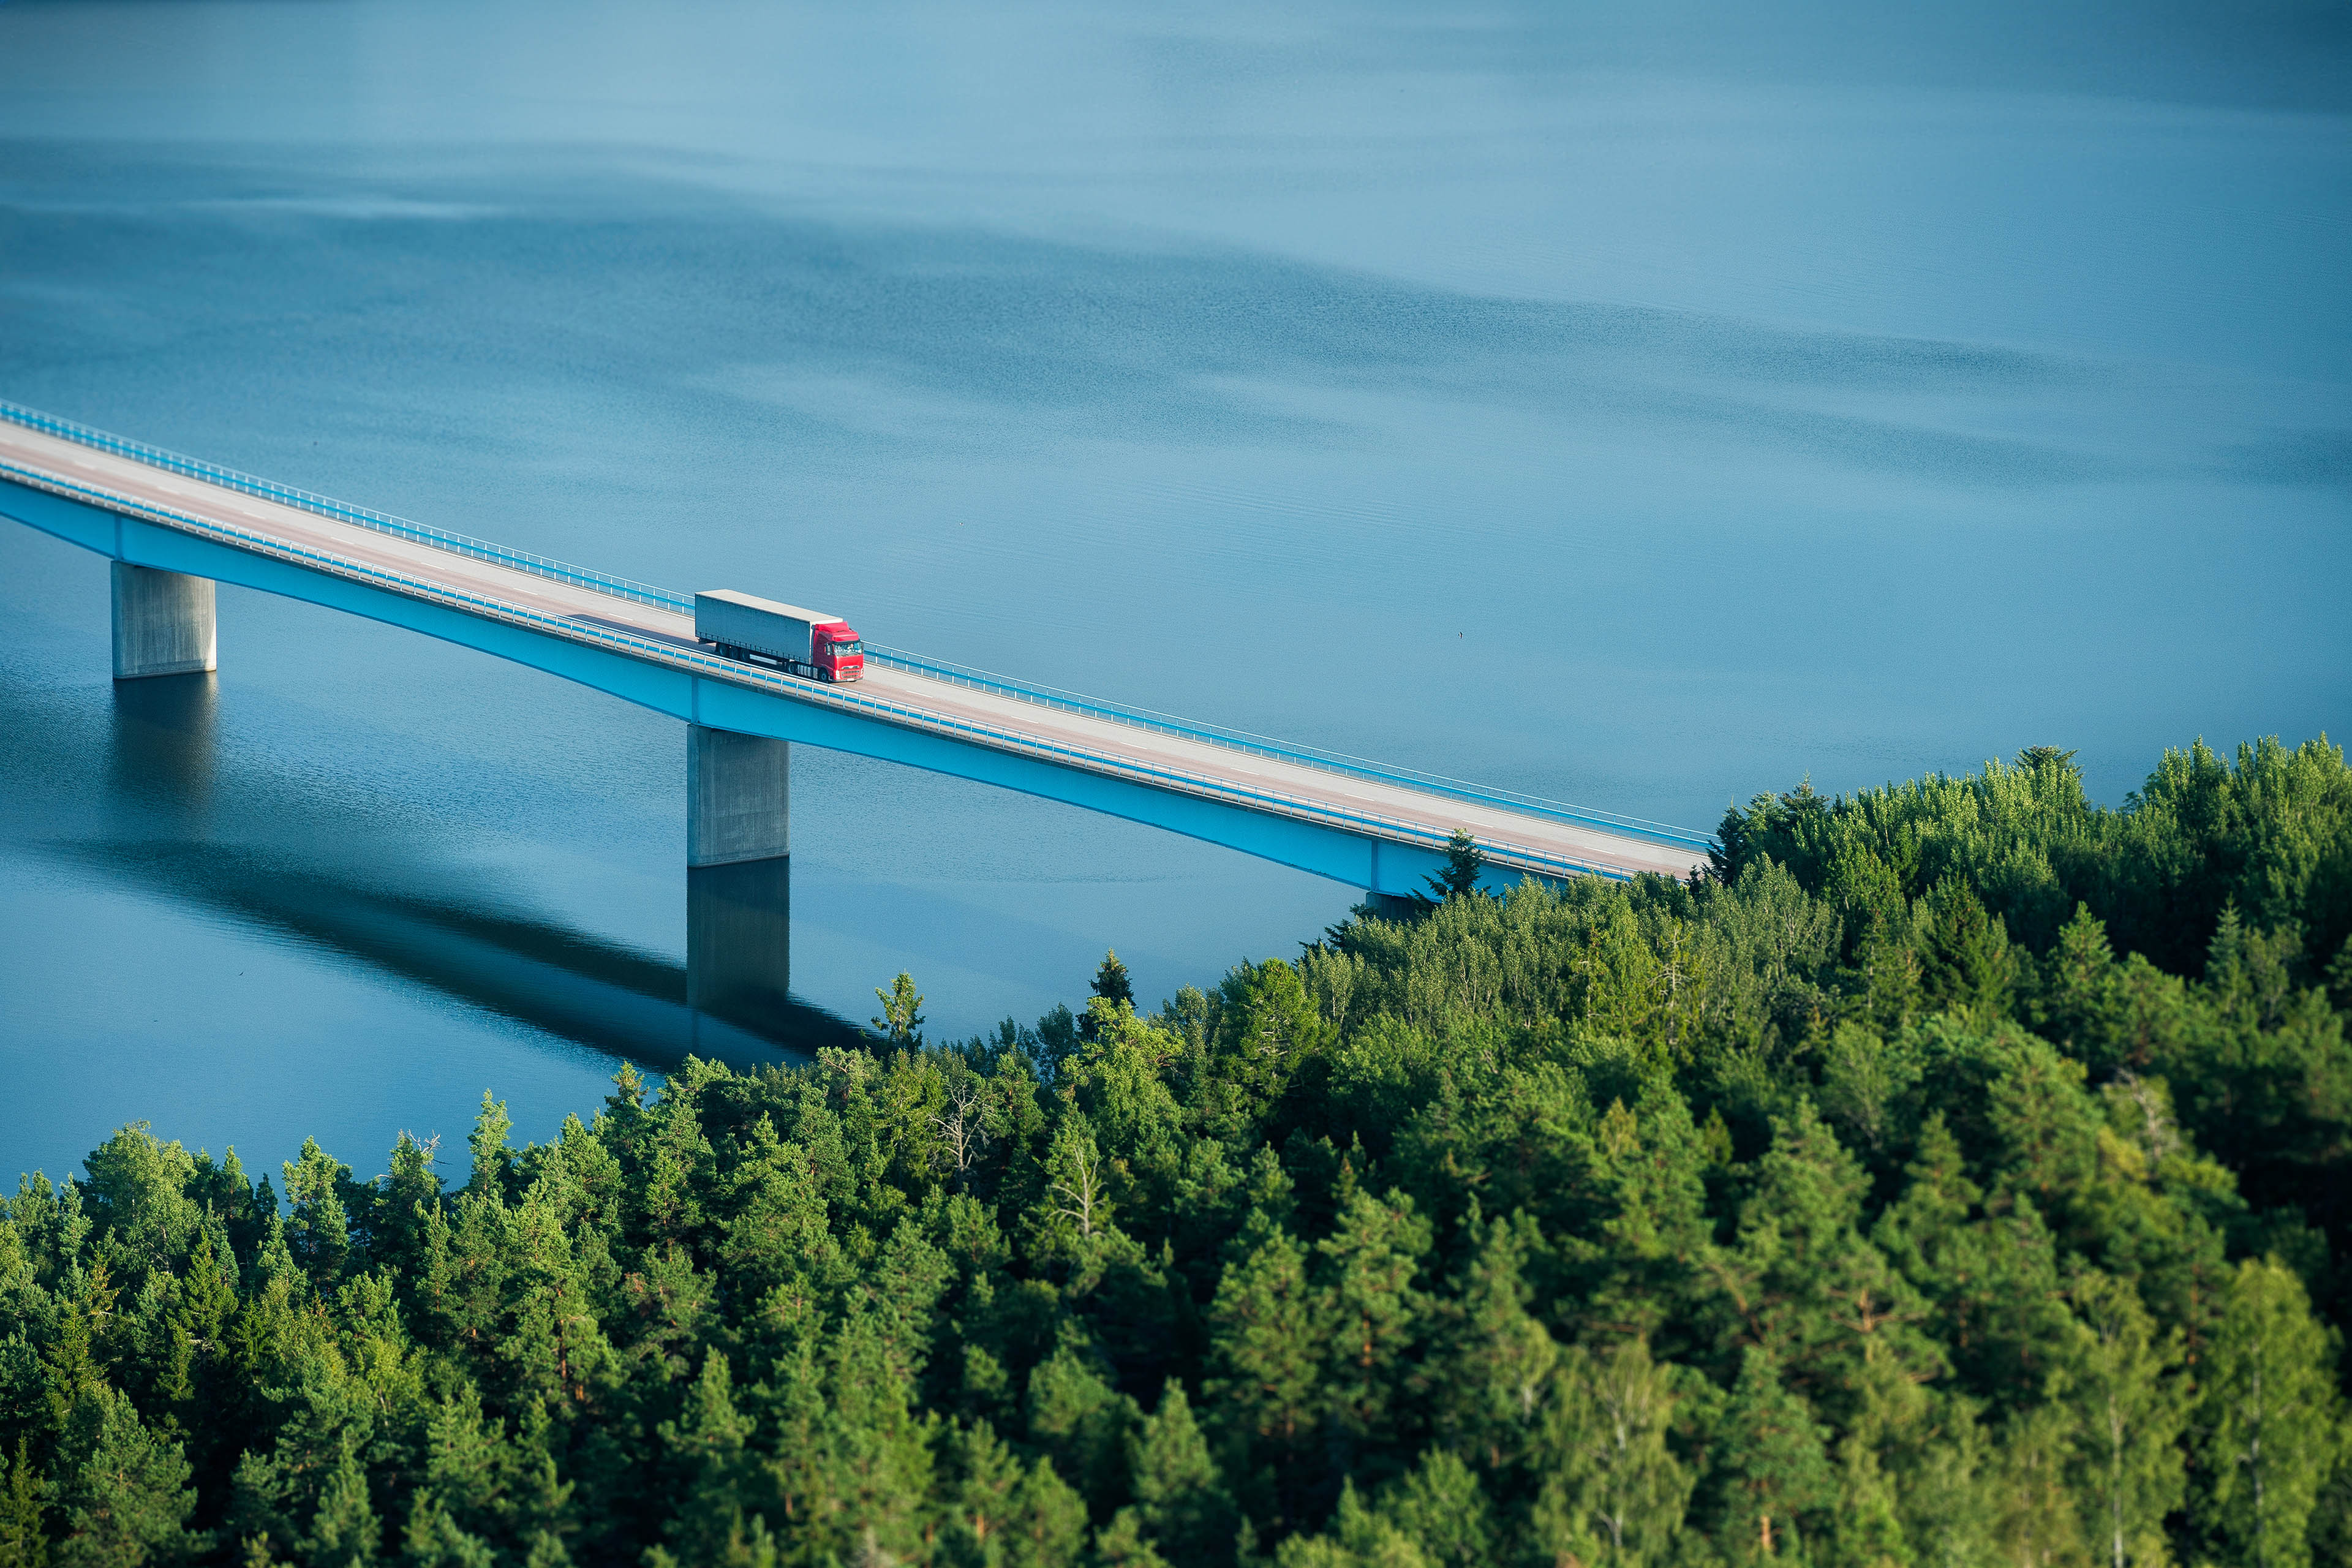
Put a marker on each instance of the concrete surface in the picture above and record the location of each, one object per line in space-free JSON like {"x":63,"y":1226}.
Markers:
{"x":164,"y":624}
{"x":1264,"y":806}
{"x":738,"y":797}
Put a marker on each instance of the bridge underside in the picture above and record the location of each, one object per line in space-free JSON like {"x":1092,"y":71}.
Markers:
{"x":1358,"y":861}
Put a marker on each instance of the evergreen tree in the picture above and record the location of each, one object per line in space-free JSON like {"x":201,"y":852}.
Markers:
{"x":128,"y":1501}
{"x":1113,"y":989}
{"x":1111,"y":982}
{"x":1080,"y":1420}
{"x":493,"y":1161}
{"x":1465,"y":864}
{"x":319,"y":1233}
{"x":1269,"y":1331}
{"x":901,"y":1022}
{"x":345,"y":1533}
{"x":1440,"y":1506}
{"x":1510,"y":1234}
{"x":1372,"y":1258}
{"x":1180,"y":1503}
{"x":1775,"y":1467}
{"x":1967,"y":962}
{"x":24,"y":1541}
{"x":1495,"y":1382}
{"x":706,"y":1443}
{"x":433,"y":1540}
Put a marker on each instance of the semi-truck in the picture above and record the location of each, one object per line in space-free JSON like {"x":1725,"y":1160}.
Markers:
{"x":762,"y":631}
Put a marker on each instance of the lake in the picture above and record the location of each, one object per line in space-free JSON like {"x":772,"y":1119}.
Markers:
{"x":1639,"y":411}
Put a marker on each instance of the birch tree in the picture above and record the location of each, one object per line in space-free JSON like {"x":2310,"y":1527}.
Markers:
{"x":2268,"y":1420}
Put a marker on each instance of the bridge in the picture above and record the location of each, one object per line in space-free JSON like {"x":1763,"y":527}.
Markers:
{"x":174,"y":527}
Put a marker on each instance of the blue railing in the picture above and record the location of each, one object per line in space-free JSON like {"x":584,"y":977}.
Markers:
{"x":399,"y":527}
{"x":1266,"y":746}
{"x":1502,"y":851}
{"x":895,"y":659}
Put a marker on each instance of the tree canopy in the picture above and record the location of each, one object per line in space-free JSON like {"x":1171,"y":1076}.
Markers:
{"x":1958,"y":1175}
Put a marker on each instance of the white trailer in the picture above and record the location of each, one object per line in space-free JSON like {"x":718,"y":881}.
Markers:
{"x":804,"y":642}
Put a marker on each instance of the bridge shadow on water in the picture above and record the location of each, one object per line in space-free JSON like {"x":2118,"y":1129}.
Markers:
{"x":157,"y":814}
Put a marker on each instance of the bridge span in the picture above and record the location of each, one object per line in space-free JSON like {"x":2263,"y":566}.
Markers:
{"x":174,"y":526}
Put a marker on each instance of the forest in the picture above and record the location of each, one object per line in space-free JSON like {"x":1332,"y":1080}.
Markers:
{"x":1959,"y":1172}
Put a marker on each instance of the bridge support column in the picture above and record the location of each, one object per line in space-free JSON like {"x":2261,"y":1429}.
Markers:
{"x":163,"y":623}
{"x":739,"y":893}
{"x":738,"y":797}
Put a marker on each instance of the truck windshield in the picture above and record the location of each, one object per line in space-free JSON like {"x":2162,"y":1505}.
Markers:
{"x":844,"y":649}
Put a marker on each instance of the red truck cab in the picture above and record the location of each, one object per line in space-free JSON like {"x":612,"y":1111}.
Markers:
{"x":838,"y":654}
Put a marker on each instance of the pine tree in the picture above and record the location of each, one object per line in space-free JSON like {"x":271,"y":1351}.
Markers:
{"x":345,"y":1533}
{"x":1496,"y":1367}
{"x":707,"y":1444}
{"x":901,"y":1022}
{"x":433,"y":1540}
{"x":1268,"y":1334}
{"x":23,"y":1540}
{"x":1111,"y":982}
{"x":319,"y":1233}
{"x":1774,"y":1464}
{"x":1122,"y":1544}
{"x":1968,"y":965}
{"x":1465,"y":864}
{"x":2079,"y":1001}
{"x":1079,"y":1419}
{"x":1440,"y":1506}
{"x":493,"y":1161}
{"x":412,"y":1188}
{"x":1373,"y":1255}
{"x":985,"y":1492}
{"x":128,"y":1501}
{"x":1267,"y":1027}
{"x":1112,"y":987}
{"x":70,"y":1365}
{"x":472,"y":1470}
{"x":1180,"y":1502}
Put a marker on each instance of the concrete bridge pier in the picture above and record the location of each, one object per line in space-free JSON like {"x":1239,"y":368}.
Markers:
{"x":737,"y":875}
{"x":163,"y":623}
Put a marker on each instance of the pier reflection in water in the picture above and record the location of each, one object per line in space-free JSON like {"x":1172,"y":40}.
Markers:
{"x":254,"y":847}
{"x":738,"y":930}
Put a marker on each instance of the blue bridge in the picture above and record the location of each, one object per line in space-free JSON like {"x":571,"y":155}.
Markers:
{"x":174,"y":527}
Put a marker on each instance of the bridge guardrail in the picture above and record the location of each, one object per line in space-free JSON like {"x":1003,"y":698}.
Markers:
{"x":1505,"y":852}
{"x":899,"y":659}
{"x":1502,"y":851}
{"x":381,"y":523}
{"x":1266,"y":746}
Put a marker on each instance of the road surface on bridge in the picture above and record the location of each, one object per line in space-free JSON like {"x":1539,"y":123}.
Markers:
{"x":1525,"y":838}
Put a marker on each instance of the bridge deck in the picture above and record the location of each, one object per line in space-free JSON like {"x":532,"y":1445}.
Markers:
{"x":1178,"y":762}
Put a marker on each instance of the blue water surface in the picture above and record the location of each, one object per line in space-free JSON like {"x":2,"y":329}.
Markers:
{"x":1639,"y":407}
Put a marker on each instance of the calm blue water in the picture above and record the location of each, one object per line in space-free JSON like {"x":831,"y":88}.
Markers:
{"x":1845,"y":396}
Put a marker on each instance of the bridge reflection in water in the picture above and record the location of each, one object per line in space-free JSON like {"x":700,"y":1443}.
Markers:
{"x":433,"y":926}
{"x":739,"y":932}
